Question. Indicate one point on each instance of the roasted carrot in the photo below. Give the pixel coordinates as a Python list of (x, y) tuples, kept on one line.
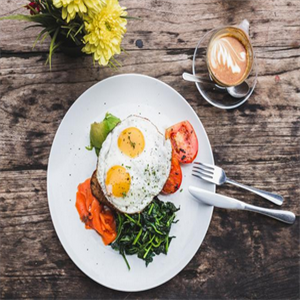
[(95, 215)]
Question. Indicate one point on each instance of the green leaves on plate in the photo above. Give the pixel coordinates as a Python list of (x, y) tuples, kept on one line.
[(145, 234)]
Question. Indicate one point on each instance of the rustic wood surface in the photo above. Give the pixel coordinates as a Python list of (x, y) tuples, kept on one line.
[(243, 255)]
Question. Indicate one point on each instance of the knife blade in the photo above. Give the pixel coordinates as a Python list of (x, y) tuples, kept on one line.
[(221, 201), (216, 200)]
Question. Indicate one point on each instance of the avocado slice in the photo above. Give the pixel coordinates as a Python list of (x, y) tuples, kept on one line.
[(98, 133), (111, 121)]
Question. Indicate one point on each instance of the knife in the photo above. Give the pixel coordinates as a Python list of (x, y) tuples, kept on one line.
[(221, 201)]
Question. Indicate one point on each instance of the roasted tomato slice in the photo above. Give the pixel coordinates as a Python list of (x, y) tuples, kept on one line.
[(184, 141), (175, 177)]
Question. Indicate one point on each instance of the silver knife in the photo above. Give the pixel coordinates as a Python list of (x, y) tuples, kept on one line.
[(221, 201)]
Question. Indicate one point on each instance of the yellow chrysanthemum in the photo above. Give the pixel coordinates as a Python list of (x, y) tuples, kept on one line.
[(105, 29), (71, 7)]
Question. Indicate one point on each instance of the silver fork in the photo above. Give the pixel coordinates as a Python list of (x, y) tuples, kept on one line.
[(217, 176)]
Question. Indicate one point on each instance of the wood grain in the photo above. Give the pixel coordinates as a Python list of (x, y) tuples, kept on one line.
[(243, 255), (176, 24)]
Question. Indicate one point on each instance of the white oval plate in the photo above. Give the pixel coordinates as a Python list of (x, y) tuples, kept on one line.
[(70, 164)]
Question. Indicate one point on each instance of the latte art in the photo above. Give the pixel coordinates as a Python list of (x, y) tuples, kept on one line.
[(229, 56), (223, 53)]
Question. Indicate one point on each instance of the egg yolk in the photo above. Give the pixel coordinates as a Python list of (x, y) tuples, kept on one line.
[(117, 181), (131, 142)]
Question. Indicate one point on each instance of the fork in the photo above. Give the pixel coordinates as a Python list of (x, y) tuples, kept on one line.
[(217, 176)]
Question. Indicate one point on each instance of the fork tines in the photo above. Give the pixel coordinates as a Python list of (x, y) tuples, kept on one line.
[(203, 171), (204, 166)]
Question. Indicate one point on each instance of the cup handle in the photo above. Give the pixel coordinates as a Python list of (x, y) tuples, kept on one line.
[(245, 26)]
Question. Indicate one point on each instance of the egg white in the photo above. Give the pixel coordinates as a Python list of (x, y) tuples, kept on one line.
[(148, 171)]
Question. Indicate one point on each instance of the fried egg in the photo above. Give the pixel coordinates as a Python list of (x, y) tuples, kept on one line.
[(134, 164)]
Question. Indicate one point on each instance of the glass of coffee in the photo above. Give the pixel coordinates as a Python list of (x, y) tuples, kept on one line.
[(226, 57)]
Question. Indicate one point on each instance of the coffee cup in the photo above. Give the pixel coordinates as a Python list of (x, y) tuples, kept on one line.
[(229, 56)]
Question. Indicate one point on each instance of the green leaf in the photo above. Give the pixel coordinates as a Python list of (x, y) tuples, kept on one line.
[(32, 26), (145, 234), (131, 18), (44, 36), (38, 37), (44, 18), (123, 50), (32, 9), (79, 29), (17, 17), (70, 30), (116, 61), (52, 44)]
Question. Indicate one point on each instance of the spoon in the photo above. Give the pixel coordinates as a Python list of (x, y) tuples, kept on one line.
[(238, 91)]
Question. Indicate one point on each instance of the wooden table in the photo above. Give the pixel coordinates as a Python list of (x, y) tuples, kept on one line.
[(243, 255)]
